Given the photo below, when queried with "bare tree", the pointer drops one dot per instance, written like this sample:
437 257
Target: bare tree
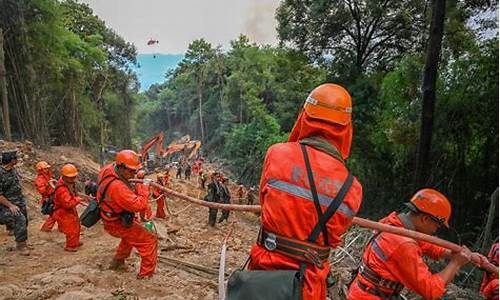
429 91
3 88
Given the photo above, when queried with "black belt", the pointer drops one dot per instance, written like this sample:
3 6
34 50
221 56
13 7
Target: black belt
377 280
377 292
300 250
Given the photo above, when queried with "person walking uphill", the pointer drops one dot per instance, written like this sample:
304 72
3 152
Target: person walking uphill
160 198
187 172
391 262
13 212
302 178
45 187
225 196
65 202
119 203
213 195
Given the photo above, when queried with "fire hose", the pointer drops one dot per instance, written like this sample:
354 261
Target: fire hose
475 258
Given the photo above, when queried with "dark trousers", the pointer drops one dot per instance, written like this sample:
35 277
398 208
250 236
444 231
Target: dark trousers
225 213
18 224
212 216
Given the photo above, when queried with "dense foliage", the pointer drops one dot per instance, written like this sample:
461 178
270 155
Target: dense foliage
68 75
242 100
68 80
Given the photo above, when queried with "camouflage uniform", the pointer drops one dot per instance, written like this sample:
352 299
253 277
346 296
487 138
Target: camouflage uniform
10 188
226 199
213 196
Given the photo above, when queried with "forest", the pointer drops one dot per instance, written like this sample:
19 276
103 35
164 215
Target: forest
66 79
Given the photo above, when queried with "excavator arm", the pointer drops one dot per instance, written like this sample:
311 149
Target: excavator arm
158 140
176 147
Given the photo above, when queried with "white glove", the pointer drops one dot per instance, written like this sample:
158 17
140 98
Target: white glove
147 181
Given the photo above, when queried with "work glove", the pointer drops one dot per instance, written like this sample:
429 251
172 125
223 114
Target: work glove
147 181
479 260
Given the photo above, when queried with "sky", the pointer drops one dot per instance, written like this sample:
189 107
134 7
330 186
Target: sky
176 23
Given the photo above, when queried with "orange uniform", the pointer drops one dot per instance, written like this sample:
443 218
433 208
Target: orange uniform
489 286
240 191
141 189
160 203
65 214
45 190
288 208
120 197
398 260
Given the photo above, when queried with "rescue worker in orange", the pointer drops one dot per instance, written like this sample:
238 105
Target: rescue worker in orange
65 202
489 286
119 203
141 189
391 262
240 192
45 185
289 210
160 198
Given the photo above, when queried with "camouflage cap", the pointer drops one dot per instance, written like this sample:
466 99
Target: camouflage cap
8 156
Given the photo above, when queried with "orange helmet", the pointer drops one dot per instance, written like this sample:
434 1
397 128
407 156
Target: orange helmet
141 174
433 203
69 170
331 103
42 165
128 159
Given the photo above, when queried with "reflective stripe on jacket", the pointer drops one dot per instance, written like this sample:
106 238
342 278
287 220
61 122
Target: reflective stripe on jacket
399 259
288 207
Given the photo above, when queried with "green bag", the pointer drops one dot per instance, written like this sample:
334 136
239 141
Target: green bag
261 285
92 213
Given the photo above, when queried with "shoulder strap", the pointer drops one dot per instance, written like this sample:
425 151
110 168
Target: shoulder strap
103 194
334 205
52 196
332 208
321 217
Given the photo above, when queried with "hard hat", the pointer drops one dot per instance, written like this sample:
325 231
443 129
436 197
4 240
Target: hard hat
433 203
128 159
69 170
42 165
141 174
331 103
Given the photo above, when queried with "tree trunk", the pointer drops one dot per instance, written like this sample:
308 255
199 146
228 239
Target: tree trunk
3 89
429 91
489 222
200 103
102 138
486 241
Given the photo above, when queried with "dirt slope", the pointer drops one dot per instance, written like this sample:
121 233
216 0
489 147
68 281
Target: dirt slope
51 273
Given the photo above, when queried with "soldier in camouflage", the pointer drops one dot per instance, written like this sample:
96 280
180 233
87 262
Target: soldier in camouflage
214 195
13 212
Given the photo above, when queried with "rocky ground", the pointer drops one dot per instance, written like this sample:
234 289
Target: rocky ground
189 258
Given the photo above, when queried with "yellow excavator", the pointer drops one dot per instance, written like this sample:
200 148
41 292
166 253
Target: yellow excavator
184 144
189 148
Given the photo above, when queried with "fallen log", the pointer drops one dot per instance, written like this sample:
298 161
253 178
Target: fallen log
424 237
235 207
187 269
358 221
207 270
